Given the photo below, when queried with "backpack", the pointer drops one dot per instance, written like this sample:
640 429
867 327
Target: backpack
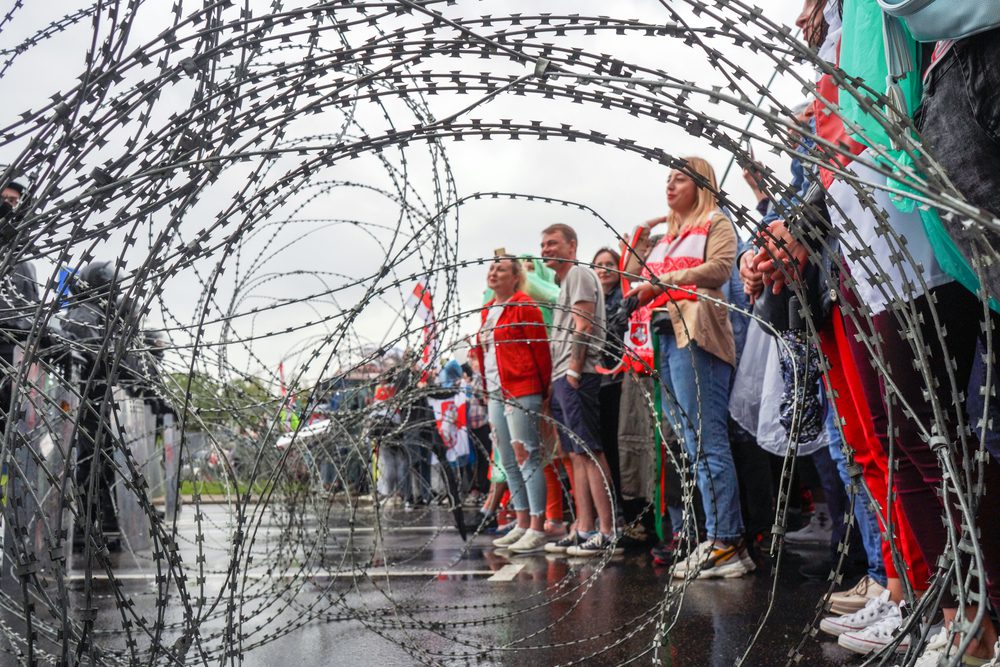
933 20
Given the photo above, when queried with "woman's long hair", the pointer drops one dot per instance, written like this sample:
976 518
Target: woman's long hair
705 204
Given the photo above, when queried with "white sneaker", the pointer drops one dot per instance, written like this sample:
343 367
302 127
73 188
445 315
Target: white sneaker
935 651
819 530
693 561
850 601
711 561
940 650
874 611
530 542
748 562
876 636
513 535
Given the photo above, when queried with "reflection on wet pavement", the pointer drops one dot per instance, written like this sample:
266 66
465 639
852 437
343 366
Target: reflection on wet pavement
548 610
413 592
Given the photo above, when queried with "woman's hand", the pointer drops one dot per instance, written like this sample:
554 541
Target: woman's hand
641 247
646 292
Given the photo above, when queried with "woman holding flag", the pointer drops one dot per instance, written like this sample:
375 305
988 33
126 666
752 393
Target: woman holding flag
693 261
513 351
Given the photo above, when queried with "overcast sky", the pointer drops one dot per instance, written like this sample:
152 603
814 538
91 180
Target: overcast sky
320 250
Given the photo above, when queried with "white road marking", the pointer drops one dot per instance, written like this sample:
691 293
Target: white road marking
338 531
507 572
503 574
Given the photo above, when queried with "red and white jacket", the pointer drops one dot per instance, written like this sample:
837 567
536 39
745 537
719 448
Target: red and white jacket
522 348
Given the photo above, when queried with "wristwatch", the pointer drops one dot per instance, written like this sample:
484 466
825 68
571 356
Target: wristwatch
573 374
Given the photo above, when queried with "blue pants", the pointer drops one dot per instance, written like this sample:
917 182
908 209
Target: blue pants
696 400
864 517
516 420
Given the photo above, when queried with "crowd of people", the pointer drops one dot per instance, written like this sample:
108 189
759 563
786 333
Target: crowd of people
665 380
694 392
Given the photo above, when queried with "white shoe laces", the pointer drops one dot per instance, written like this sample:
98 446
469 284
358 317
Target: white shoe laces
875 608
885 629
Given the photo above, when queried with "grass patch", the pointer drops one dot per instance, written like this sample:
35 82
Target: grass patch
216 488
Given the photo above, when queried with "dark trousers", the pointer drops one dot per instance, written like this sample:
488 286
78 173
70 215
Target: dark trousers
480 441
95 475
833 491
753 471
918 472
959 119
610 398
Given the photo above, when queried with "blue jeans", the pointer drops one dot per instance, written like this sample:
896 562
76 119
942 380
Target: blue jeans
864 517
696 400
516 420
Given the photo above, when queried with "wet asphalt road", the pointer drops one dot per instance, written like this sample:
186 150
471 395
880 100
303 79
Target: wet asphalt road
415 593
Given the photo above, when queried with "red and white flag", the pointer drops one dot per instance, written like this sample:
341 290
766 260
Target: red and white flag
451 417
420 299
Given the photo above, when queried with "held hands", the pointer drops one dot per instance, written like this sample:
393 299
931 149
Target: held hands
781 256
646 292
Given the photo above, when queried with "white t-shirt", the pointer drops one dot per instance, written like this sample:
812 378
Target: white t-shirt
491 371
875 249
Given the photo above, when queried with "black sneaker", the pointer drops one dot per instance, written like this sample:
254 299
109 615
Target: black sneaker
560 546
634 537
598 545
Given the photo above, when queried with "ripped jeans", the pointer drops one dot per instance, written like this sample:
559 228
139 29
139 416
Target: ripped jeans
516 420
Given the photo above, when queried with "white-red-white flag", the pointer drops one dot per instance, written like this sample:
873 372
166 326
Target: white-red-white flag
451 417
420 299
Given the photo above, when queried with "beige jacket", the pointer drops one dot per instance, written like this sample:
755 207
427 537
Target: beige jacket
702 321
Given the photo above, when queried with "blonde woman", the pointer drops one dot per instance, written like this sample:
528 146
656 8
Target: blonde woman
693 260
513 351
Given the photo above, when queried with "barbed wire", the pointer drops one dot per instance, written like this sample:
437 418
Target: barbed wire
263 183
